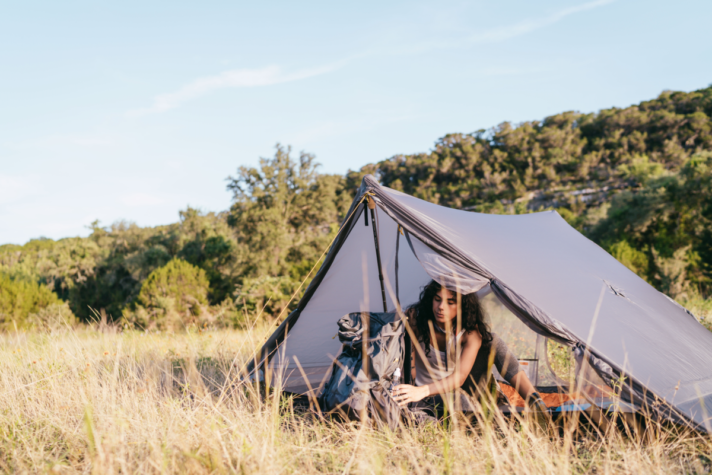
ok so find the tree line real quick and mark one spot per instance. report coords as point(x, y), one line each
point(636, 180)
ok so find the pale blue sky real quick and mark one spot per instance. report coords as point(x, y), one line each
point(134, 110)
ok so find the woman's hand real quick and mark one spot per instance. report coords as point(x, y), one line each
point(405, 393)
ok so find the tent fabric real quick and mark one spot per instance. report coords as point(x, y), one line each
point(559, 283)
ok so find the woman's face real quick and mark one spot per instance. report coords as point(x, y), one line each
point(444, 306)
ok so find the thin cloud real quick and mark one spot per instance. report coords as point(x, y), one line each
point(522, 28)
point(497, 34)
point(235, 78)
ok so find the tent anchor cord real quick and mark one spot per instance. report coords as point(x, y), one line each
point(257, 349)
point(372, 207)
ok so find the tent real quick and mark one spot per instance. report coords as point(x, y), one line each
point(546, 283)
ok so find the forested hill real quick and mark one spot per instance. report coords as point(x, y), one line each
point(548, 162)
point(637, 180)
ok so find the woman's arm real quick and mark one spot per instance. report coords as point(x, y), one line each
point(471, 343)
point(508, 366)
point(521, 383)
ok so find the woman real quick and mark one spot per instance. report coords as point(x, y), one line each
point(434, 322)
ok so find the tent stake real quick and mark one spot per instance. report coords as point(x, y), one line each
point(372, 207)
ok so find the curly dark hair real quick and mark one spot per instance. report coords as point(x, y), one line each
point(473, 317)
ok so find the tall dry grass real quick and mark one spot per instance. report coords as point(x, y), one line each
point(106, 402)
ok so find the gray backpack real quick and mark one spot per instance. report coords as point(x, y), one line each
point(350, 391)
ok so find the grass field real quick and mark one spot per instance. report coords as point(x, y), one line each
point(89, 401)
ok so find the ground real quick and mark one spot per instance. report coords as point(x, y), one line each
point(129, 402)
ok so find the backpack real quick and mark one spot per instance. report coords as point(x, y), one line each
point(350, 391)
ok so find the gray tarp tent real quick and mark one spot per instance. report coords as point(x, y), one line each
point(555, 281)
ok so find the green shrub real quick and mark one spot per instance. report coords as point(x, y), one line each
point(20, 299)
point(699, 306)
point(171, 298)
point(269, 295)
point(630, 257)
point(54, 317)
point(641, 169)
point(227, 315)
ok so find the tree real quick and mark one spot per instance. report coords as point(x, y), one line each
point(171, 298)
point(21, 299)
point(636, 180)
point(284, 214)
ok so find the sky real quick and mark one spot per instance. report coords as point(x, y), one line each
point(134, 110)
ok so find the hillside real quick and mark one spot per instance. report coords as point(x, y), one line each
point(636, 180)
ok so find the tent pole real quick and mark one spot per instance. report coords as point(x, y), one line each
point(372, 207)
point(407, 366)
point(398, 232)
